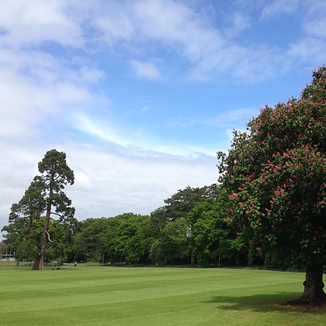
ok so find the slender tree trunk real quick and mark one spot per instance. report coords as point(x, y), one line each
point(313, 285)
point(193, 258)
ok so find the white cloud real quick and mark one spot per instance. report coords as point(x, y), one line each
point(146, 70)
point(101, 129)
point(311, 48)
point(37, 87)
point(239, 23)
point(316, 28)
point(315, 23)
point(90, 75)
point(36, 21)
point(115, 24)
point(138, 141)
point(142, 182)
point(226, 119)
point(107, 183)
point(175, 25)
point(278, 7)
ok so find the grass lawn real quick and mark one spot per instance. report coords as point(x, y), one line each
point(95, 295)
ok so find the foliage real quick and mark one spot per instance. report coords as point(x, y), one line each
point(205, 233)
point(132, 240)
point(275, 175)
point(55, 176)
point(3, 247)
point(90, 242)
point(24, 216)
point(123, 238)
point(212, 237)
point(171, 227)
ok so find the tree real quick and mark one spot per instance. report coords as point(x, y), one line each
point(275, 175)
point(45, 194)
point(55, 175)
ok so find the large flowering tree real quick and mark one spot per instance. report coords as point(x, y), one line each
point(275, 174)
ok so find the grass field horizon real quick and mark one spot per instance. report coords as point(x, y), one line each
point(99, 295)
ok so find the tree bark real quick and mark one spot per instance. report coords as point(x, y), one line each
point(313, 293)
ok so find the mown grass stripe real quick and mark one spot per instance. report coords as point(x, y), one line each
point(95, 295)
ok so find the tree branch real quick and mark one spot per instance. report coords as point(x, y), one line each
point(47, 233)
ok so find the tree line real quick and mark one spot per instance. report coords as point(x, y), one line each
point(188, 229)
point(268, 207)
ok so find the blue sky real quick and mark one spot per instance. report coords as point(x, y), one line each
point(141, 95)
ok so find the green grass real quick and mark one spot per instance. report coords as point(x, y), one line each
point(95, 295)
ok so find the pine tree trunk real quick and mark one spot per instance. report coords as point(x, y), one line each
point(39, 260)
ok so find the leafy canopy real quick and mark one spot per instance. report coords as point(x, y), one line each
point(275, 174)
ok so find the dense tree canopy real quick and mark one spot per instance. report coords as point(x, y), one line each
point(212, 237)
point(171, 225)
point(275, 174)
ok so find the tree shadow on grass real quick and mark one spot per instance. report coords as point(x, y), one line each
point(265, 302)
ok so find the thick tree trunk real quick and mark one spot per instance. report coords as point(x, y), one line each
point(313, 285)
point(313, 293)
point(38, 262)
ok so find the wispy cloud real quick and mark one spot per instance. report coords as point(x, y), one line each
point(137, 142)
point(226, 119)
point(315, 22)
point(239, 23)
point(277, 7)
point(101, 129)
point(146, 70)
point(311, 47)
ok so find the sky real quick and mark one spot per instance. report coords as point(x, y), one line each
point(141, 94)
